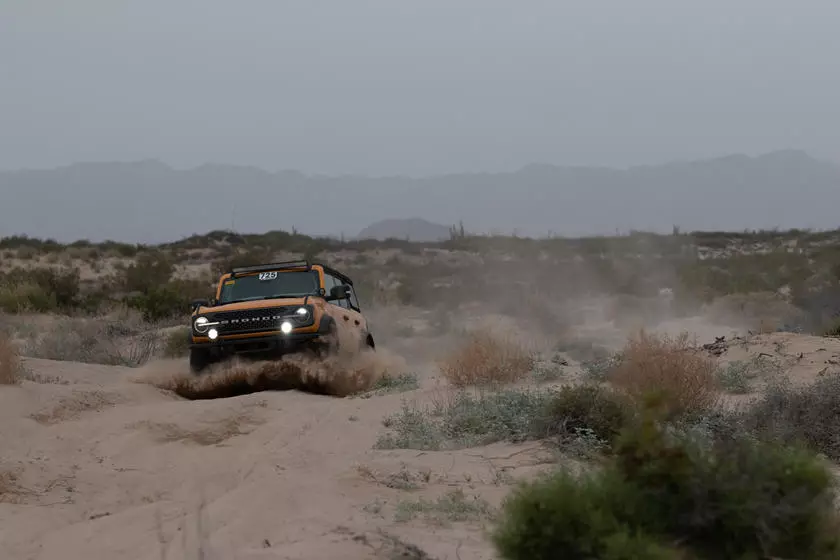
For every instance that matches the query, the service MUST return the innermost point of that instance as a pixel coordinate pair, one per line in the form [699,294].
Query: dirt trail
[105,466]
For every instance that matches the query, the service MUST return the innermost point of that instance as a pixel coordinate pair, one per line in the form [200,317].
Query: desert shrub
[411,428]
[739,376]
[575,409]
[809,415]
[10,366]
[507,415]
[455,505]
[597,369]
[62,284]
[567,516]
[94,342]
[125,250]
[487,359]
[406,381]
[39,289]
[735,377]
[149,272]
[177,343]
[671,497]
[96,301]
[167,300]
[249,257]
[731,498]
[20,297]
[685,381]
[832,329]
[547,372]
[466,420]
[566,415]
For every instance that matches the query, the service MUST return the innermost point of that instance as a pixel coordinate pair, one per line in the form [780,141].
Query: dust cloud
[352,368]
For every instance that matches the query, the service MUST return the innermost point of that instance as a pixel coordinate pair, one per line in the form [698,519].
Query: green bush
[168,300]
[567,415]
[738,499]
[25,297]
[148,273]
[833,328]
[574,408]
[39,289]
[807,415]
[62,283]
[569,516]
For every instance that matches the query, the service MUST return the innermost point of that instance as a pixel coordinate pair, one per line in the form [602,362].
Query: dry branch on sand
[10,366]
[684,380]
[486,358]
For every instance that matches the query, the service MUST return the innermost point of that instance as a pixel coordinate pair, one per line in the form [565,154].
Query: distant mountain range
[412,229]
[149,201]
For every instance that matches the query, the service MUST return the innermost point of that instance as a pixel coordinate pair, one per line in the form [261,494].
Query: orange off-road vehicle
[269,310]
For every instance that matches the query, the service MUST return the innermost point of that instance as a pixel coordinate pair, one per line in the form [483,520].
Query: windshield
[272,285]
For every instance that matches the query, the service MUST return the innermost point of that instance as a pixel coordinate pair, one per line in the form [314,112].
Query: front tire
[200,359]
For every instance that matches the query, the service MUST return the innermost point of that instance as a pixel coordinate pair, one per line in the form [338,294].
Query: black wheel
[199,359]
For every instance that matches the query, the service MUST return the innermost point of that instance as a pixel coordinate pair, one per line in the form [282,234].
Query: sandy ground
[107,467]
[104,466]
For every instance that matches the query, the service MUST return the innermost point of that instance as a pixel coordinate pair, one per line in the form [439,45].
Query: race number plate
[268,275]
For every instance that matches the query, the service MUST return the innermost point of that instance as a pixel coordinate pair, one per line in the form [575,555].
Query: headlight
[302,311]
[201,324]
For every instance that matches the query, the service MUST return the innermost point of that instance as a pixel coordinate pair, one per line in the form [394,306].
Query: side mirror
[196,303]
[339,292]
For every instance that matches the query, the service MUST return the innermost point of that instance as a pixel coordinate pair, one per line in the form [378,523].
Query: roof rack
[270,267]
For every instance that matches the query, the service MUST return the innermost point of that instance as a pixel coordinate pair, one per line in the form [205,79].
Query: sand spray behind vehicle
[352,369]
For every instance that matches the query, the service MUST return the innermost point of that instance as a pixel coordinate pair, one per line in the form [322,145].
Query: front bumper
[274,342]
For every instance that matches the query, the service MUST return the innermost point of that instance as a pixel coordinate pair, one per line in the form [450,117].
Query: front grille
[250,320]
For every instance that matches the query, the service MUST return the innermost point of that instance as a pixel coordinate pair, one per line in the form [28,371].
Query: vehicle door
[345,311]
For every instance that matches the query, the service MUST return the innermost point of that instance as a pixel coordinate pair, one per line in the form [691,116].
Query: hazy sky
[415,86]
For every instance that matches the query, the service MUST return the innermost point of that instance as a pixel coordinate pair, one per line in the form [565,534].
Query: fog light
[212,334]
[286,327]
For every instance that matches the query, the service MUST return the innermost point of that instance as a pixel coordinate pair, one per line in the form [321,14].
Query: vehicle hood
[256,304]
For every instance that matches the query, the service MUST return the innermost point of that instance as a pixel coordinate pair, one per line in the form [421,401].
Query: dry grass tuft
[10,488]
[10,366]
[486,358]
[209,433]
[75,405]
[669,368]
[95,341]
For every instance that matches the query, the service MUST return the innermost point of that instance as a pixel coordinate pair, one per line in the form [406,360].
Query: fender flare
[326,323]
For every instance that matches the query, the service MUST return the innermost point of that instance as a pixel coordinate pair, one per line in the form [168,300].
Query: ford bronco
[274,309]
